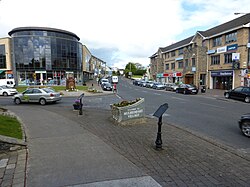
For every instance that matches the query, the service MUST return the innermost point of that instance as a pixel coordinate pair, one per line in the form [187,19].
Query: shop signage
[221,73]
[159,75]
[40,71]
[211,51]
[176,74]
[232,47]
[222,49]
[180,58]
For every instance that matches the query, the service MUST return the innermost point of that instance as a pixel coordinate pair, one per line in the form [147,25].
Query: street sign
[235,56]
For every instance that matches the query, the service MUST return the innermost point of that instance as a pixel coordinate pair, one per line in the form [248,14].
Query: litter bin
[203,89]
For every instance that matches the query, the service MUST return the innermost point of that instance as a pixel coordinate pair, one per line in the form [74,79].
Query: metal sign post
[159,112]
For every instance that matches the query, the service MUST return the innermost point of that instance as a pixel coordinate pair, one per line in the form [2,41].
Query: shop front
[222,80]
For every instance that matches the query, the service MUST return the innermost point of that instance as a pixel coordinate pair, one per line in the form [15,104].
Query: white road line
[214,106]
[157,94]
[179,98]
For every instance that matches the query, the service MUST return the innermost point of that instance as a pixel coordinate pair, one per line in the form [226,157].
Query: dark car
[187,89]
[244,124]
[239,93]
[106,86]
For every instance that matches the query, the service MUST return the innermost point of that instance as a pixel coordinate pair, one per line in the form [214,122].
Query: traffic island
[129,112]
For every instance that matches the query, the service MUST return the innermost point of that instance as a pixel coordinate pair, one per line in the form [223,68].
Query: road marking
[178,98]
[215,106]
[157,94]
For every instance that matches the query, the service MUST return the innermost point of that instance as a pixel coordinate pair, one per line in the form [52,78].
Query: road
[214,118]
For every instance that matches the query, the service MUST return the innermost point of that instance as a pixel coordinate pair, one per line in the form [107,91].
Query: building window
[173,66]
[193,62]
[180,64]
[186,63]
[217,41]
[228,58]
[172,53]
[215,60]
[231,37]
[180,51]
[2,56]
[167,66]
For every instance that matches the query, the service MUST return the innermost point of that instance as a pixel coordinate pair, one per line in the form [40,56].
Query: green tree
[130,67]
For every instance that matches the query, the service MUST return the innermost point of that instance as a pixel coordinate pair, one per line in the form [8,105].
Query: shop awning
[1,71]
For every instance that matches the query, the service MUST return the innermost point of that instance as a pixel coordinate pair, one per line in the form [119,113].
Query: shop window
[186,63]
[167,66]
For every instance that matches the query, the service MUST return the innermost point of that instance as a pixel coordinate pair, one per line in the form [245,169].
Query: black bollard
[158,141]
[80,109]
[159,112]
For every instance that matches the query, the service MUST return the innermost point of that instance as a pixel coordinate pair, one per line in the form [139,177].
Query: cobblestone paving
[186,160]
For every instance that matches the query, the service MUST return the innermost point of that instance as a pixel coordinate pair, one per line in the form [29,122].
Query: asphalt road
[216,119]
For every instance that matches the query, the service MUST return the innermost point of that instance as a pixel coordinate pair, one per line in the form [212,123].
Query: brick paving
[186,159]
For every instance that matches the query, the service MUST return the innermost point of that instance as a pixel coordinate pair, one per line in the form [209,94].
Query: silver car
[40,95]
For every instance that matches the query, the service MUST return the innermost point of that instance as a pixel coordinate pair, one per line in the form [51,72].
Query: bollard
[159,112]
[80,109]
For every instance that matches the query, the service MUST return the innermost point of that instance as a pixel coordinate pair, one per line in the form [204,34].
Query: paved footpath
[66,149]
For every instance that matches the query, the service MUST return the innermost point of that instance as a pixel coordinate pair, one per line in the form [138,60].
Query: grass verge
[10,126]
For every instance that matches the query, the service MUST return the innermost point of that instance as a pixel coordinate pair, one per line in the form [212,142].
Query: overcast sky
[121,31]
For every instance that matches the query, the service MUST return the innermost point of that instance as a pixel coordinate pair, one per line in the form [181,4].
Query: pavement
[114,155]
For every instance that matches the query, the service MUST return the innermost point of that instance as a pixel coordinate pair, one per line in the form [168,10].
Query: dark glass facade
[45,55]
[2,57]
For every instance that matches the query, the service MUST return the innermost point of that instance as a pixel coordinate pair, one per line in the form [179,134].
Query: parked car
[106,86]
[6,90]
[239,93]
[159,86]
[171,87]
[244,124]
[40,95]
[187,89]
[104,81]
[143,83]
[150,84]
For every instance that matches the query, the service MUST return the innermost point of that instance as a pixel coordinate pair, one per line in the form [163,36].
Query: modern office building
[45,54]
[42,55]
[218,57]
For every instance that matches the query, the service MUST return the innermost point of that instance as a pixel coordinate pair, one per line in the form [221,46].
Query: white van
[7,82]
[114,79]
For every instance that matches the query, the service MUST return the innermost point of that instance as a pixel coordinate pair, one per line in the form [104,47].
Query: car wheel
[227,95]
[247,99]
[5,94]
[17,101]
[42,101]
[245,128]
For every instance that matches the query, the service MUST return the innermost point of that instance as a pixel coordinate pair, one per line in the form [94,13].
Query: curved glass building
[44,55]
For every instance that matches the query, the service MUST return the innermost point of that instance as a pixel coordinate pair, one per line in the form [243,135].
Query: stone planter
[126,113]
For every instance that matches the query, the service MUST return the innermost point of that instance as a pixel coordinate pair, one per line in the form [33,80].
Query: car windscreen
[47,90]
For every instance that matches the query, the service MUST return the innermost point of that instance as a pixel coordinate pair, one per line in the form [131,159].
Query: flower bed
[127,110]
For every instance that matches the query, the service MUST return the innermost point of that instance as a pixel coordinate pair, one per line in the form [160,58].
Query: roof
[230,25]
[19,29]
[177,44]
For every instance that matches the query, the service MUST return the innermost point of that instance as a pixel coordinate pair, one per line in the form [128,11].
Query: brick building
[218,57]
